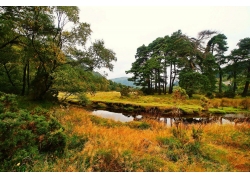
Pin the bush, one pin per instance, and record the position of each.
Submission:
(245, 103)
(83, 99)
(1, 107)
(139, 125)
(219, 95)
(151, 163)
(204, 103)
(125, 91)
(77, 142)
(106, 161)
(197, 134)
(229, 94)
(53, 142)
(170, 142)
(193, 148)
(8, 102)
(210, 95)
(24, 135)
(104, 122)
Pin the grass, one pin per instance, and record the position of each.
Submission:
(99, 144)
(190, 106)
(96, 144)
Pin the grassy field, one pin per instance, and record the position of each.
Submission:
(215, 105)
(47, 137)
(98, 144)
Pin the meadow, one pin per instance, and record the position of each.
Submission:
(190, 105)
(97, 144)
(49, 137)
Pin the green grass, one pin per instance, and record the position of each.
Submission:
(164, 102)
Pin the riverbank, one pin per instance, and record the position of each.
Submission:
(164, 104)
(148, 146)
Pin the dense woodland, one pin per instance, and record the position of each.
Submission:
(199, 65)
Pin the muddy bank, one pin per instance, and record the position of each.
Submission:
(133, 108)
(157, 113)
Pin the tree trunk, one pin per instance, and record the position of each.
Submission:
(165, 80)
(155, 90)
(24, 79)
(28, 77)
(149, 85)
(245, 91)
(159, 81)
(170, 90)
(8, 74)
(234, 83)
(220, 80)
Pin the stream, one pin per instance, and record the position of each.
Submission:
(126, 117)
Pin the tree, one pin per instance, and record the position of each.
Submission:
(43, 45)
(141, 74)
(217, 45)
(239, 65)
(193, 82)
(244, 48)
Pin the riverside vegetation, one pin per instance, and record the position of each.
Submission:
(48, 137)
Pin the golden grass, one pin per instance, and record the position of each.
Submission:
(122, 148)
(190, 106)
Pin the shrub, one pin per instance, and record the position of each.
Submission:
(23, 135)
(83, 99)
(170, 142)
(8, 102)
(245, 103)
(104, 122)
(1, 107)
(125, 91)
(193, 148)
(106, 161)
(151, 163)
(53, 142)
(197, 134)
(77, 142)
(139, 125)
(204, 103)
(219, 95)
(210, 95)
(229, 94)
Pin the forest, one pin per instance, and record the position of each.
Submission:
(45, 50)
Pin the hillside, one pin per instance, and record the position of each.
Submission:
(124, 81)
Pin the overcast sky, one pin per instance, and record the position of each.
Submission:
(125, 28)
(126, 25)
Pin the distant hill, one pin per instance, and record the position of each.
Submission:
(124, 81)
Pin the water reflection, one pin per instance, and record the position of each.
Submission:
(113, 115)
(126, 117)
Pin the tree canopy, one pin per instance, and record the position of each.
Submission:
(43, 50)
(199, 65)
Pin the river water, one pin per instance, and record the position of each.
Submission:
(126, 117)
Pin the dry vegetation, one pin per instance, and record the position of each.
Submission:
(97, 144)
